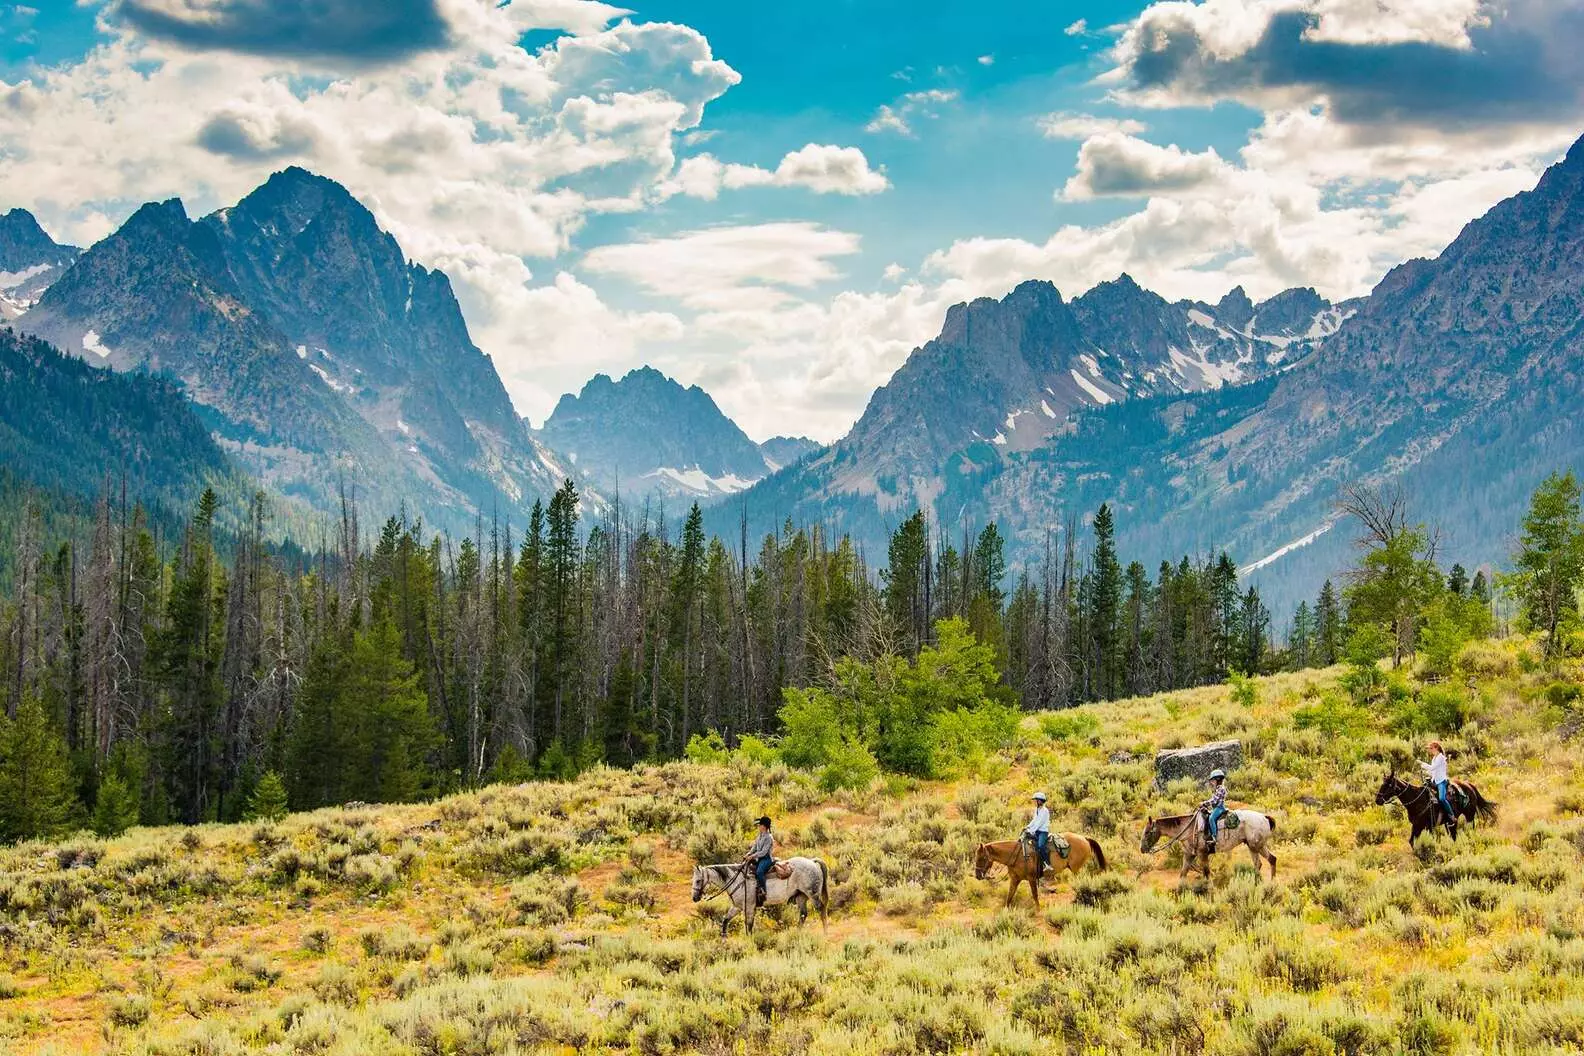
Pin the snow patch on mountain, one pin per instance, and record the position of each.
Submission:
(1094, 391)
(1282, 551)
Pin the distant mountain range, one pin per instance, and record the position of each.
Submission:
(648, 435)
(321, 357)
(317, 356)
(1459, 378)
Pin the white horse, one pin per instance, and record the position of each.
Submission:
(1253, 830)
(810, 881)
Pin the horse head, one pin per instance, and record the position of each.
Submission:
(700, 881)
(982, 862)
(1390, 788)
(1152, 835)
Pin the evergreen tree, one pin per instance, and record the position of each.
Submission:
(1300, 643)
(115, 807)
(989, 565)
(268, 801)
(1328, 633)
(1105, 602)
(907, 580)
(1457, 581)
(36, 793)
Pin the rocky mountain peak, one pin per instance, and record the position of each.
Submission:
(1235, 309)
(647, 432)
(25, 244)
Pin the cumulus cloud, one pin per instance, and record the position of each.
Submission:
(815, 167)
(1067, 125)
(1078, 28)
(1436, 63)
(896, 117)
(356, 30)
(1114, 164)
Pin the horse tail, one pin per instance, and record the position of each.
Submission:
(1270, 821)
(1482, 806)
(1099, 855)
(824, 891)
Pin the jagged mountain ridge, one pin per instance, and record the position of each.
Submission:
(1005, 376)
(1457, 377)
(29, 261)
(649, 435)
(321, 356)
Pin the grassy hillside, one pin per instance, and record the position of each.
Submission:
(554, 917)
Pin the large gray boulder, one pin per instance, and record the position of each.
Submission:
(1196, 763)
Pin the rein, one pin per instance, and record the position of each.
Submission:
(740, 876)
(1185, 830)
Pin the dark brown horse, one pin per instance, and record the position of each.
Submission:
(1424, 809)
(1023, 868)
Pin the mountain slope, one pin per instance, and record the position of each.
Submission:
(649, 434)
(29, 261)
(68, 427)
(321, 356)
(1458, 377)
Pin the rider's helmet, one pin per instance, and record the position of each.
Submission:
(1217, 773)
(765, 821)
(1039, 797)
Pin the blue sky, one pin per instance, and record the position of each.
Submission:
(778, 202)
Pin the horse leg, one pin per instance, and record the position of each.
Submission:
(1258, 874)
(1012, 884)
(731, 911)
(802, 901)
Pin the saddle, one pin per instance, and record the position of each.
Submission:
(781, 870)
(1054, 840)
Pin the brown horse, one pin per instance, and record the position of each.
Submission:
(1023, 868)
(1424, 809)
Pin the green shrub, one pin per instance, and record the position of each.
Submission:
(1333, 715)
(708, 748)
(1244, 691)
(1437, 710)
(1075, 724)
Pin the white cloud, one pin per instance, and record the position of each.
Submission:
(1114, 164)
(896, 117)
(1067, 125)
(724, 267)
(816, 167)
(987, 60)
(1078, 28)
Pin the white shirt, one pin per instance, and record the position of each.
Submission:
(1041, 822)
(1436, 768)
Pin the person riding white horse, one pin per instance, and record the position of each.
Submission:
(1215, 807)
(761, 856)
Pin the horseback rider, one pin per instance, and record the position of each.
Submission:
(761, 856)
(1038, 830)
(1214, 807)
(1436, 773)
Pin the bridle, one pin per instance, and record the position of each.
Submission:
(1188, 826)
(739, 877)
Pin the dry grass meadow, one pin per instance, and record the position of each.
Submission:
(557, 917)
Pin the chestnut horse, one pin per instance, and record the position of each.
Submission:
(1024, 868)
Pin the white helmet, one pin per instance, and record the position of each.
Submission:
(1040, 797)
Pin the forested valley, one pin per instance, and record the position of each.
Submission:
(149, 679)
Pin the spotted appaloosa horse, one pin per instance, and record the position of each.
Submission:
(1253, 831)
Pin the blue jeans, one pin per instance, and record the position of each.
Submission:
(1042, 848)
(762, 873)
(1446, 804)
(1216, 814)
